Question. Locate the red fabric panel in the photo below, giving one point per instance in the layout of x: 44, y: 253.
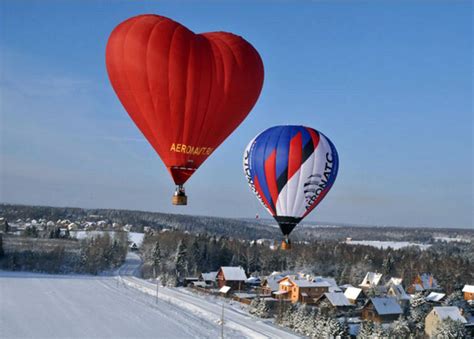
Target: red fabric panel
x: 258, y: 188
x: 182, y: 88
x: 270, y: 175
x: 295, y: 154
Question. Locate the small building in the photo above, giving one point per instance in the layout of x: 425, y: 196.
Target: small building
x: 232, y: 276
x: 209, y: 278
x: 334, y: 300
x: 270, y: 284
x: 253, y: 281
x: 440, y: 313
x: 398, y: 292
x: 381, y: 309
x: 354, y: 295
x: 435, y: 298
x: 468, y: 291
x: 371, y: 279
x: 423, y: 282
x: 297, y: 289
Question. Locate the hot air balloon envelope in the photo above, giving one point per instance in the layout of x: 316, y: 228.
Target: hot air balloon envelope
x: 290, y: 169
x: 186, y: 92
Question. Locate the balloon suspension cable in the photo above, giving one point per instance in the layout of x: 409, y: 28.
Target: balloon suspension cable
x: 179, y: 196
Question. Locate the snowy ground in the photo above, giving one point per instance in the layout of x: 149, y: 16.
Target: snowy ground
x: 120, y: 306
x: 386, y: 244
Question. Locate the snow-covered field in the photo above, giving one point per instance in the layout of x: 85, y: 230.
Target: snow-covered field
x: 135, y: 237
x: 119, y: 306
x: 386, y: 244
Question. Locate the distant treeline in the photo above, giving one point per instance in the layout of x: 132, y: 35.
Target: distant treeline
x: 62, y: 255
x: 177, y: 254
x: 235, y: 228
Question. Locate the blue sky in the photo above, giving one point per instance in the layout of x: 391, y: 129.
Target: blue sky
x: 390, y: 83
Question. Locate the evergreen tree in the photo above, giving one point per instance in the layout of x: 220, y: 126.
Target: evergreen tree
x: 366, y: 330
x: 2, y: 253
x: 450, y: 328
x: 181, y: 261
x: 400, y: 329
x: 156, y: 257
x: 379, y: 332
x: 333, y: 329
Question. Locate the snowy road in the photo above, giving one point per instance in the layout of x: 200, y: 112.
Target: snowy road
x: 206, y: 307
x: 76, y: 306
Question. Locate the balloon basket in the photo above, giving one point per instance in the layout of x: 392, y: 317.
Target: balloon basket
x: 179, y: 200
x: 286, y: 245
x: 179, y: 197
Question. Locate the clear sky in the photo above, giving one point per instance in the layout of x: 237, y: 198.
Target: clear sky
x: 390, y: 83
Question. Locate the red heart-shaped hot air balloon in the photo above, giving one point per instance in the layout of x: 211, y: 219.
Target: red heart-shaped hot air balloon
x: 186, y: 92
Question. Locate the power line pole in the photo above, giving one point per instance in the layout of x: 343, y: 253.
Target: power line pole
x: 222, y: 320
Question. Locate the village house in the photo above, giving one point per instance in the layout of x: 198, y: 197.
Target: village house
x: 334, y: 301
x: 371, y: 280
x: 468, y: 291
x: 270, y: 284
x: 381, y: 310
x: 438, y: 314
x: 398, y: 292
x: 234, y: 277
x: 298, y: 289
x: 354, y: 295
x: 208, y: 278
x: 423, y: 282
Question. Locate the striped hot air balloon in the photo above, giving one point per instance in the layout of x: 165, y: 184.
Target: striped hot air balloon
x: 290, y: 169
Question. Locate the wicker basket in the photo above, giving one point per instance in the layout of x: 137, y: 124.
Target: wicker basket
x: 180, y: 200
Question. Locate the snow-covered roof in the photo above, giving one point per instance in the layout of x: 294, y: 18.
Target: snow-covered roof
x: 280, y: 292
x: 211, y: 276
x: 352, y: 293
x: 371, y: 279
x: 302, y: 282
x: 253, y: 280
x: 199, y: 283
x: 434, y: 296
x: 399, y: 292
x: 394, y: 281
x: 384, y: 305
x: 337, y: 299
x: 234, y: 273
x: 468, y: 288
x: 452, y: 312
x: 224, y: 289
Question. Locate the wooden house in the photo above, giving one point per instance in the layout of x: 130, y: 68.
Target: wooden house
x: 468, y: 291
x: 381, y: 309
x: 354, y: 295
x: 423, y: 282
x: 209, y: 278
x: 398, y: 292
x: 334, y: 301
x: 371, y: 280
x: 438, y: 315
x: 298, y: 289
x: 232, y: 276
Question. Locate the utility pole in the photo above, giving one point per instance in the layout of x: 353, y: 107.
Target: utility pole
x: 157, y: 289
x: 222, y: 319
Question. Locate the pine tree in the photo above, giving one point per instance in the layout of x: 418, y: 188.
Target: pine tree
x: 366, y: 330
x: 319, y: 327
x: 400, y: 329
x: 299, y: 317
x: 450, y: 328
x: 379, y: 332
x: 2, y: 253
x: 156, y: 258
x: 254, y: 306
x: 333, y: 329
x: 263, y: 309
x: 180, y: 261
